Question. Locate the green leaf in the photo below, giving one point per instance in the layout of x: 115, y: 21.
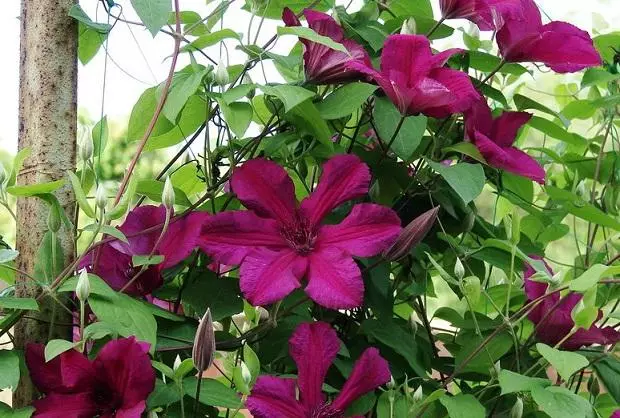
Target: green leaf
x: 153, y: 13
x: 466, y: 148
x: 252, y: 361
x: 237, y: 115
x: 566, y: 363
x: 398, y: 407
x: 98, y: 330
x: 575, y: 205
x: 46, y: 266
x: 107, y: 230
x: 463, y: 406
x: 146, y: 260
x: 185, y: 83
x: 18, y: 162
x: 344, y: 101
x: 127, y: 315
x: 606, y: 45
x: 154, y: 188
x: 54, y: 348
x: 89, y: 42
x: 212, y: 393
x: 553, y: 130
x: 310, y: 35
x: 467, y: 180
x: 9, y: 364
x: 221, y: 295
x: 8, y: 255
x: 238, y: 92
x: 486, y: 62
x: 307, y: 120
x: 579, y: 109
x: 35, y: 189
x: 597, y: 76
x: 163, y: 395
x: 142, y: 113
x: 80, y: 15
x: 408, y: 8
x: 525, y: 103
x: 591, y: 276
x: 396, y: 338
x: 97, y: 286
x: 608, y: 370
x: 559, y: 402
x: 273, y: 9
x: 210, y: 39
x: 80, y: 196
x: 387, y: 118
x: 9, y: 302
x: 512, y: 382
x: 290, y: 96
x: 192, y: 116
x: 6, y: 412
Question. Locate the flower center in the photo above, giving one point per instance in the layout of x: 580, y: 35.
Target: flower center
x: 299, y: 235
x: 326, y: 411
x: 106, y: 399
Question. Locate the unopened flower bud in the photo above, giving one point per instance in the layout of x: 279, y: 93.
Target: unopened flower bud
x: 497, y: 367
x: 203, y: 351
x: 53, y: 219
x: 221, y: 74
x: 101, y: 198
x: 245, y: 374
x: 459, y: 269
x: 409, y: 27
x: 2, y: 174
x: 593, y: 386
x: 411, y: 235
x: 177, y: 363
x: 82, y: 289
x: 86, y: 148
x: 517, y: 409
x: 474, y: 32
x: 413, y: 324
x: 167, y: 196
x: 471, y: 289
x: 248, y: 80
x: 580, y: 190
x: 153, y: 414
x: 418, y: 394
x: 391, y: 384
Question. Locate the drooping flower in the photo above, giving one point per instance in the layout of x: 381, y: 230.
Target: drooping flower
x: 416, y: 80
x: 313, y: 347
x: 484, y: 13
x: 559, y: 45
x: 322, y: 64
x: 494, y: 139
x: 553, y: 319
x: 115, y: 384
x: 113, y: 261
x: 277, y: 241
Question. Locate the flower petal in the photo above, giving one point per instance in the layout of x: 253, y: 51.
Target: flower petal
x: 265, y: 187
x: 126, y: 367
x: 522, y: 164
x: 230, y: 236
x: 462, y: 94
x: 398, y: 94
x: 368, y: 230
x: 274, y: 397
x: 370, y: 371
x: 517, y: 29
x: 506, y: 127
x: 345, y: 177
x: 59, y: 405
x: 478, y: 118
x: 314, y: 347
x: 132, y: 412
x: 181, y: 238
x: 594, y: 335
x: 65, y: 373
x: 334, y: 280
x: 407, y: 54
x: 268, y: 276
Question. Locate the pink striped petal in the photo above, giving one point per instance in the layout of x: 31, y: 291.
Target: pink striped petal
x: 506, y: 127
x: 74, y: 405
x: 368, y: 230
x: 334, y: 280
x: 345, y: 177
x: 274, y: 397
x: 268, y: 276
x: 314, y: 347
x: 462, y: 93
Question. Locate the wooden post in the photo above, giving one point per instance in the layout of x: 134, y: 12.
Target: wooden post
x: 47, y: 126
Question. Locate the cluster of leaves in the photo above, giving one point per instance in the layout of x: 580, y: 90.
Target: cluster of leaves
x: 476, y: 354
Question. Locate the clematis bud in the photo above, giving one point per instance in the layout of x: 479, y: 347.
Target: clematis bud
x: 86, y: 148
x: 245, y: 374
x: 248, y: 80
x: 221, y: 74
x: 411, y: 235
x: 418, y: 395
x: 177, y: 363
x: 2, y: 174
x: 517, y: 409
x: 409, y: 27
x: 101, y: 199
x: 413, y: 324
x: 167, y: 196
x: 459, y: 269
x: 391, y: 384
x: 593, y: 386
x: 53, y: 219
x: 471, y: 289
x: 580, y: 190
x: 82, y: 289
x: 203, y: 351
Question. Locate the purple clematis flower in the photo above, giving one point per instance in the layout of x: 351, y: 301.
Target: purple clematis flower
x: 553, y: 320
x: 114, y: 260
x: 322, y: 64
x: 494, y: 139
x: 314, y: 347
x: 416, y: 80
x: 487, y: 14
x: 278, y: 241
x: 561, y: 46
x: 115, y: 384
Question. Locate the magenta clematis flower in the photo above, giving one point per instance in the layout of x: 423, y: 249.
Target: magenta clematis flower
x: 115, y: 384
x: 561, y: 46
x: 494, y: 139
x: 553, y: 320
x: 278, y: 241
x: 322, y: 64
x: 114, y: 260
x: 416, y: 80
x: 314, y: 347
x: 487, y: 14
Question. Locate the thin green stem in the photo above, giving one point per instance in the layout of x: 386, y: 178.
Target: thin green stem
x: 197, y: 395
x: 492, y: 73
x: 435, y: 27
